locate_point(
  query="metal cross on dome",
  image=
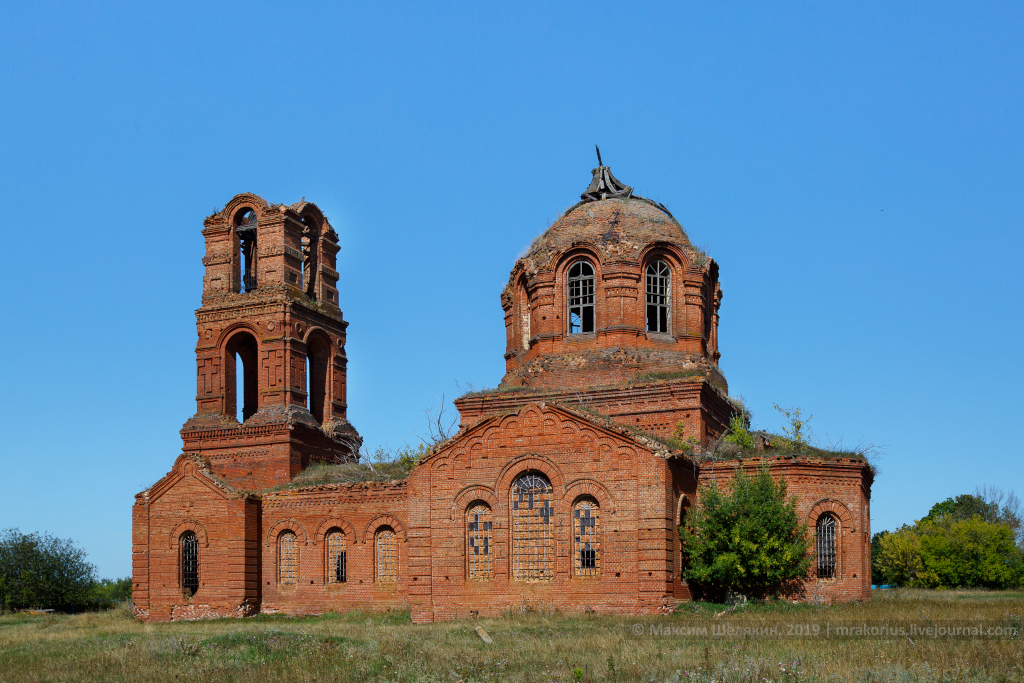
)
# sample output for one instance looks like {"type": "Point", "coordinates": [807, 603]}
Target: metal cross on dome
{"type": "Point", "coordinates": [604, 185]}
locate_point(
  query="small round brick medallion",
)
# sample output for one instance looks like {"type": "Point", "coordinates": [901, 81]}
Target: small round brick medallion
{"type": "Point", "coordinates": [271, 326]}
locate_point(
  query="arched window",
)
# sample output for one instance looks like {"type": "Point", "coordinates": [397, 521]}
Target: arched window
{"type": "Point", "coordinates": [337, 562]}
{"type": "Point", "coordinates": [826, 546]}
{"type": "Point", "coordinates": [478, 542]}
{"type": "Point", "coordinates": [386, 555]}
{"type": "Point", "coordinates": [310, 255]}
{"type": "Point", "coordinates": [242, 376]}
{"type": "Point", "coordinates": [659, 288]}
{"type": "Point", "coordinates": [318, 355]}
{"type": "Point", "coordinates": [245, 229]}
{"type": "Point", "coordinates": [524, 316]}
{"type": "Point", "coordinates": [581, 297]}
{"type": "Point", "coordinates": [287, 559]}
{"type": "Point", "coordinates": [533, 546]}
{"type": "Point", "coordinates": [189, 563]}
{"type": "Point", "coordinates": [586, 538]}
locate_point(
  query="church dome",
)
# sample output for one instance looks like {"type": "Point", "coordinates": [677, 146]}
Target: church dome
{"type": "Point", "coordinates": [613, 292]}
{"type": "Point", "coordinates": [619, 225]}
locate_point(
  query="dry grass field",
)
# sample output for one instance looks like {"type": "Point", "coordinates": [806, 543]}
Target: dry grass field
{"type": "Point", "coordinates": [807, 644]}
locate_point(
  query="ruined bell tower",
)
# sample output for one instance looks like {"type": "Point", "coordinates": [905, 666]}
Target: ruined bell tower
{"type": "Point", "coordinates": [270, 356]}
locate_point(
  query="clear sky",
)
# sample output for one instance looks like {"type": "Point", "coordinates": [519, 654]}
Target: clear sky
{"type": "Point", "coordinates": [855, 169]}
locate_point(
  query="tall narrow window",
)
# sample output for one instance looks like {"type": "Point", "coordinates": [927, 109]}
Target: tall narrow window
{"type": "Point", "coordinates": [659, 283]}
{"type": "Point", "coordinates": [241, 380]}
{"type": "Point", "coordinates": [318, 358]}
{"type": "Point", "coordinates": [246, 229]}
{"type": "Point", "coordinates": [826, 546]}
{"type": "Point", "coordinates": [386, 552]}
{"type": "Point", "coordinates": [581, 297]}
{"type": "Point", "coordinates": [524, 317]}
{"type": "Point", "coordinates": [310, 249]}
{"type": "Point", "coordinates": [586, 541]}
{"type": "Point", "coordinates": [533, 546]}
{"type": "Point", "coordinates": [336, 559]}
{"type": "Point", "coordinates": [287, 559]}
{"type": "Point", "coordinates": [478, 542]}
{"type": "Point", "coordinates": [189, 563]}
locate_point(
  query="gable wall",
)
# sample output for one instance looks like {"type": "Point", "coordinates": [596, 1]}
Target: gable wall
{"type": "Point", "coordinates": [226, 527]}
{"type": "Point", "coordinates": [578, 458]}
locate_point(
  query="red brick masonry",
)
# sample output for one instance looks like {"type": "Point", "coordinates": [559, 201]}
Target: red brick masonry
{"type": "Point", "coordinates": [575, 410]}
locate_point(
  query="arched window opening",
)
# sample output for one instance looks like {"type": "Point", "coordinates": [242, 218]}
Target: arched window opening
{"type": "Point", "coordinates": [310, 255]}
{"type": "Point", "coordinates": [826, 546]}
{"type": "Point", "coordinates": [189, 563]}
{"type": "Point", "coordinates": [659, 288]}
{"type": "Point", "coordinates": [581, 297]}
{"type": "Point", "coordinates": [684, 554]}
{"type": "Point", "coordinates": [287, 559]}
{"type": "Point", "coordinates": [524, 316]}
{"type": "Point", "coordinates": [337, 562]}
{"type": "Point", "coordinates": [242, 376]}
{"type": "Point", "coordinates": [386, 555]}
{"type": "Point", "coordinates": [478, 542]}
{"type": "Point", "coordinates": [586, 538]}
{"type": "Point", "coordinates": [246, 229]}
{"type": "Point", "coordinates": [318, 355]}
{"type": "Point", "coordinates": [533, 546]}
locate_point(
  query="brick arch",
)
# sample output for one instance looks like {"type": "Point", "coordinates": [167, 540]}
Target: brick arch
{"type": "Point", "coordinates": [580, 250]}
{"type": "Point", "coordinates": [245, 200]}
{"type": "Point", "coordinates": [231, 329]}
{"type": "Point", "coordinates": [580, 488]}
{"type": "Point", "coordinates": [664, 251]}
{"type": "Point", "coordinates": [188, 525]}
{"type": "Point", "coordinates": [384, 520]}
{"type": "Point", "coordinates": [466, 496]}
{"type": "Point", "coordinates": [683, 503]}
{"type": "Point", "coordinates": [521, 464]}
{"type": "Point", "coordinates": [290, 524]}
{"type": "Point", "coordinates": [332, 523]}
{"type": "Point", "coordinates": [828, 505]}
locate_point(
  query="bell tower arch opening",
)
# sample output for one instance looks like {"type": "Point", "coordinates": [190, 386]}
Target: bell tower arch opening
{"type": "Point", "coordinates": [246, 229]}
{"type": "Point", "coordinates": [318, 358]}
{"type": "Point", "coordinates": [242, 387]}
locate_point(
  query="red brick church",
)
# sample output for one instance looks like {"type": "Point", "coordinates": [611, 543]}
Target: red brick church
{"type": "Point", "coordinates": [562, 489]}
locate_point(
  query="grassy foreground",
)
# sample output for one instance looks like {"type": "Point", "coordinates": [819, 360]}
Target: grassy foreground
{"type": "Point", "coordinates": [111, 646]}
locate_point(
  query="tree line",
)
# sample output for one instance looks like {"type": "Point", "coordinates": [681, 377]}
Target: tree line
{"type": "Point", "coordinates": [38, 571]}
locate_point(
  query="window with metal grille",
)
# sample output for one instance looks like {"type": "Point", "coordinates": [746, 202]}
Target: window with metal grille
{"type": "Point", "coordinates": [246, 229]}
{"type": "Point", "coordinates": [533, 545]}
{"type": "Point", "coordinates": [586, 540]}
{"type": "Point", "coordinates": [826, 546]}
{"type": "Point", "coordinates": [386, 555]}
{"type": "Point", "coordinates": [287, 559]}
{"type": "Point", "coordinates": [478, 542]}
{"type": "Point", "coordinates": [581, 297]}
{"type": "Point", "coordinates": [336, 559]}
{"type": "Point", "coordinates": [189, 563]}
{"type": "Point", "coordinates": [659, 282]}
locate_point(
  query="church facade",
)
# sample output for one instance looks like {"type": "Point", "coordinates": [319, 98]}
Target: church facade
{"type": "Point", "coordinates": [564, 487]}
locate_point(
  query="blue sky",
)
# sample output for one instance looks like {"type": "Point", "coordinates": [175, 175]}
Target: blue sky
{"type": "Point", "coordinates": [855, 168]}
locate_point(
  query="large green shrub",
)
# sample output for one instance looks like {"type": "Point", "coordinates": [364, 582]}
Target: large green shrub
{"type": "Point", "coordinates": [38, 570]}
{"type": "Point", "coordinates": [745, 537]}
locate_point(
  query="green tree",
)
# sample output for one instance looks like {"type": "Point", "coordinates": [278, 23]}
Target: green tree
{"type": "Point", "coordinates": [745, 537]}
{"type": "Point", "coordinates": [38, 570]}
{"type": "Point", "coordinates": [876, 553]}
{"type": "Point", "coordinates": [899, 557]}
{"type": "Point", "coordinates": [967, 553]}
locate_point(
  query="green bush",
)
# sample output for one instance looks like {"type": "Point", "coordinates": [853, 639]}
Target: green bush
{"type": "Point", "coordinates": [745, 538]}
{"type": "Point", "coordinates": [40, 571]}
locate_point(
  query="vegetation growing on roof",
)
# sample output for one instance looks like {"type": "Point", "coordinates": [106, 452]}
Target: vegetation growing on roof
{"type": "Point", "coordinates": [383, 465]}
